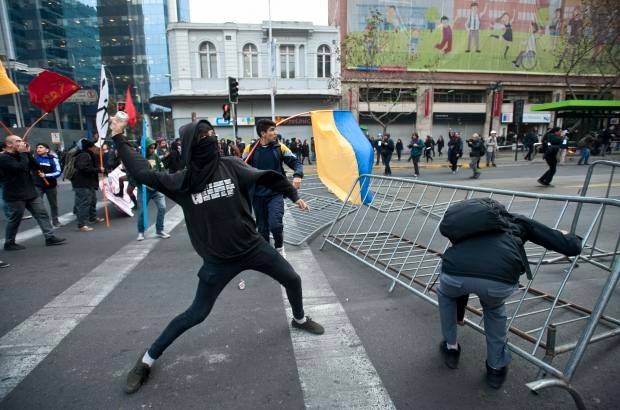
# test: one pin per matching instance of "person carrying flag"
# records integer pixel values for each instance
(214, 193)
(268, 205)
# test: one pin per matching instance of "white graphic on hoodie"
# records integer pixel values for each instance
(217, 189)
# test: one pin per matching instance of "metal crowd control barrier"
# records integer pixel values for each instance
(308, 224)
(561, 310)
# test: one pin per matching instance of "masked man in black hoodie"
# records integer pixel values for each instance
(209, 190)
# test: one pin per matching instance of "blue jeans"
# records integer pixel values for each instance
(492, 296)
(269, 211)
(160, 202)
(585, 156)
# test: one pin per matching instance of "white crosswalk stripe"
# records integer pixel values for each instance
(29, 343)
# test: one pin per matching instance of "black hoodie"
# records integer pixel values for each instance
(217, 209)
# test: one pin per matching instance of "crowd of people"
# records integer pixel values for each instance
(553, 143)
(202, 174)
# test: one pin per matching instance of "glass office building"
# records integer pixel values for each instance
(74, 37)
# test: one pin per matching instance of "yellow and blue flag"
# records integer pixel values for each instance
(343, 154)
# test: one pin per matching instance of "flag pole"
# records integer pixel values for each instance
(103, 188)
(8, 131)
(247, 159)
(145, 217)
(25, 137)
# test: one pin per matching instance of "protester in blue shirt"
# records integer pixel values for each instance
(46, 185)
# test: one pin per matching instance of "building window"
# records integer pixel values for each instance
(324, 59)
(459, 96)
(250, 61)
(287, 61)
(302, 61)
(208, 60)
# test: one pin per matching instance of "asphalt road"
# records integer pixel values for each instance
(76, 317)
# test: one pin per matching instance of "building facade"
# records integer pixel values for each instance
(456, 65)
(74, 37)
(203, 56)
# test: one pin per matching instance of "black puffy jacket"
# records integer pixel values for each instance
(490, 245)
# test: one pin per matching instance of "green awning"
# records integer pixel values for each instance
(578, 105)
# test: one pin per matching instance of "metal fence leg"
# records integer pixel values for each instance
(549, 350)
(539, 385)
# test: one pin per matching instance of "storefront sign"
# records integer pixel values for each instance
(536, 118)
(506, 117)
(241, 121)
(303, 120)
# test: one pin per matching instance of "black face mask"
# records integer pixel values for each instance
(205, 151)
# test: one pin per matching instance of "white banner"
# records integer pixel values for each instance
(102, 118)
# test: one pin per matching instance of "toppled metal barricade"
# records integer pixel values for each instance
(324, 207)
(560, 310)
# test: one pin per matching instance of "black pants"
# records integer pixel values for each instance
(415, 161)
(552, 161)
(213, 278)
(398, 154)
(269, 211)
(386, 158)
(530, 152)
(454, 159)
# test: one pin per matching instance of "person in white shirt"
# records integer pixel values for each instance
(491, 144)
(473, 26)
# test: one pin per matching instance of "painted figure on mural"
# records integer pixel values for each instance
(446, 36)
(506, 36)
(473, 26)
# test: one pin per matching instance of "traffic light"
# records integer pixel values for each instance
(233, 90)
(120, 106)
(226, 112)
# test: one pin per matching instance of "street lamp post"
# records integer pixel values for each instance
(272, 66)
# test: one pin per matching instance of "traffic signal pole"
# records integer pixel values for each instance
(234, 120)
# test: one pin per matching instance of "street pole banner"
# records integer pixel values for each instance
(102, 119)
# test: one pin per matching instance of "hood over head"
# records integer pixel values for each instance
(199, 155)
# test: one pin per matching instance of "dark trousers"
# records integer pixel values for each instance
(530, 152)
(269, 211)
(415, 161)
(213, 279)
(398, 154)
(552, 161)
(454, 159)
(386, 158)
(85, 205)
(14, 211)
(52, 199)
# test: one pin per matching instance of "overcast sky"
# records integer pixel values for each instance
(255, 11)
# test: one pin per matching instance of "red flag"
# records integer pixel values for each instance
(130, 109)
(48, 90)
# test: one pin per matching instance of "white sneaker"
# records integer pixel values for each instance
(163, 235)
(282, 252)
(140, 237)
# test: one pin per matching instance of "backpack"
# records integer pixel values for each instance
(69, 168)
(473, 217)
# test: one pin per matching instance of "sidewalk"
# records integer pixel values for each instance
(502, 160)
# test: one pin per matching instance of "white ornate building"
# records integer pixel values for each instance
(202, 56)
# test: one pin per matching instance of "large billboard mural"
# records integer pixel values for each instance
(533, 36)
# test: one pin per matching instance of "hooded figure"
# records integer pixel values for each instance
(214, 194)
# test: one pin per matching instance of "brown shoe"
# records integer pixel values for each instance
(86, 228)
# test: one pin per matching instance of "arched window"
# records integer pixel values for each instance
(250, 61)
(323, 64)
(208, 60)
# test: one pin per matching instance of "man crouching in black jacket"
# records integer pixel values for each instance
(486, 258)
